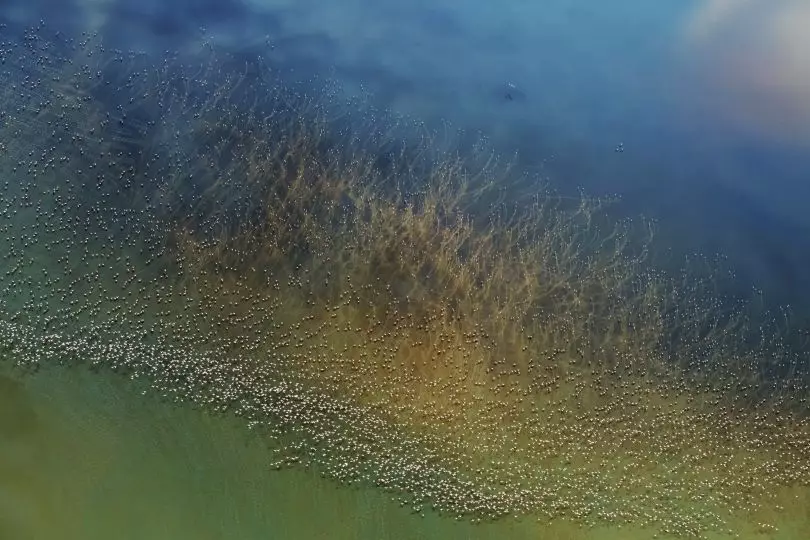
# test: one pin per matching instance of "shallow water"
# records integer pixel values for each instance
(86, 457)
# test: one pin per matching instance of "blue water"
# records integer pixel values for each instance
(695, 113)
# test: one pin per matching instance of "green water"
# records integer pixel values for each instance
(87, 457)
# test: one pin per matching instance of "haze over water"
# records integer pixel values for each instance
(695, 114)
(709, 100)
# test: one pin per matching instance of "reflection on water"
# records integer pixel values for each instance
(753, 57)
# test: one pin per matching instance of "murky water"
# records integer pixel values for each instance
(89, 457)
(86, 457)
(232, 308)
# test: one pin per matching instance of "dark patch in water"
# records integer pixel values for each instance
(509, 91)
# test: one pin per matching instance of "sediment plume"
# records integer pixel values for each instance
(380, 306)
